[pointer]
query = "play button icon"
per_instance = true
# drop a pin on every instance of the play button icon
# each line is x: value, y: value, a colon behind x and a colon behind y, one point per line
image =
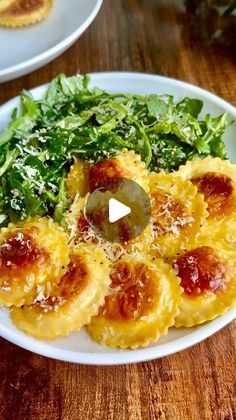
x: 118, y: 210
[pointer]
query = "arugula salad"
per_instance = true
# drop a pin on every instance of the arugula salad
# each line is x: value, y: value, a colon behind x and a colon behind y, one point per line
x: 44, y: 136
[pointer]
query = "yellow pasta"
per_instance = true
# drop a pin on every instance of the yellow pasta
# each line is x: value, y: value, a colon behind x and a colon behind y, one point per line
x: 178, y: 213
x: 208, y: 277
x: 141, y: 244
x: 31, y: 253
x: 77, y: 179
x: 4, y: 4
x: 73, y: 302
x: 144, y: 300
x: 122, y: 289
x: 77, y: 224
x: 25, y: 12
x: 216, y: 179
x: 81, y: 231
x: 127, y: 164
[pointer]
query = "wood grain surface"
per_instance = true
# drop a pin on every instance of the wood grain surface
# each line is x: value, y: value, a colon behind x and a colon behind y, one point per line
x: 200, y: 383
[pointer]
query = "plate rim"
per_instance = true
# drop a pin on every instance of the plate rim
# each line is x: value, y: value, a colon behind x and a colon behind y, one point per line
x: 125, y: 356
x: 229, y: 107
x: 45, y: 57
x: 128, y: 356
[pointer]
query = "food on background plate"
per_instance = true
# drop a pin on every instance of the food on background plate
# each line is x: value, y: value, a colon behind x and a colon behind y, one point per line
x: 54, y: 153
x: 20, y: 13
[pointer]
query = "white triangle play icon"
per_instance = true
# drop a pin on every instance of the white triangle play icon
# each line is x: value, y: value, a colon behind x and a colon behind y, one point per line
x: 117, y: 210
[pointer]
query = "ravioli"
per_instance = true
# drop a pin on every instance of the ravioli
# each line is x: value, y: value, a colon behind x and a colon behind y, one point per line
x: 73, y: 302
x: 144, y: 300
x: 83, y: 177
x: 208, y: 277
x: 216, y: 179
x: 81, y: 231
x: 31, y: 253
x: 4, y: 4
x: 127, y: 164
x: 178, y: 212
x: 77, y: 179
x: 24, y: 12
x: 77, y: 224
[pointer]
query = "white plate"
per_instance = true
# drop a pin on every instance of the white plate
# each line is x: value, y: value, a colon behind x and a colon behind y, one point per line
x: 23, y: 50
x: 79, y: 347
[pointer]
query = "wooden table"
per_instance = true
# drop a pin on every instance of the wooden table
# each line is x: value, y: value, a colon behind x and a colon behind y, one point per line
x: 199, y: 383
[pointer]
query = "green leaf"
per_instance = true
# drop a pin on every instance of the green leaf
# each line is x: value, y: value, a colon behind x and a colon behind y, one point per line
x: 29, y: 106
x: 41, y: 141
x: 10, y: 157
x: 159, y: 106
x: 214, y: 127
x: 190, y: 106
x: 74, y: 121
x: 62, y: 88
x: 61, y: 205
x: 167, y: 153
x: 34, y: 204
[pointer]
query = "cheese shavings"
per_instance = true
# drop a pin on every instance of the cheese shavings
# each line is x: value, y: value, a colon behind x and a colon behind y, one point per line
x: 72, y: 302
x: 178, y: 213
x: 143, y: 306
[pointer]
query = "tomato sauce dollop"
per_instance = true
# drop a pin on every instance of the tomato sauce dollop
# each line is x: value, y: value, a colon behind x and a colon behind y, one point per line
x: 201, y: 270
x: 19, y: 249
x: 134, y: 295
x: 218, y: 193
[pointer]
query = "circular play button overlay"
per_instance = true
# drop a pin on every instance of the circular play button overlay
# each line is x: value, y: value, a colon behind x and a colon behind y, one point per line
x: 118, y: 210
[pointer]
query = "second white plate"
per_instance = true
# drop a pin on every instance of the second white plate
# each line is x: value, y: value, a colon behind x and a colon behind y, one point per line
x: 23, y: 50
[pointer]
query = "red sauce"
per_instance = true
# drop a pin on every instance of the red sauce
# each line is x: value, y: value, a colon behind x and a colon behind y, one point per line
x: 135, y: 296
x: 99, y: 173
x: 168, y: 214
x: 20, y: 249
x: 218, y: 193
x: 201, y: 270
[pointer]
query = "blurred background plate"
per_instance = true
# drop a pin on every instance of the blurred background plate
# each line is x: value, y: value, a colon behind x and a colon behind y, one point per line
x: 23, y: 50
